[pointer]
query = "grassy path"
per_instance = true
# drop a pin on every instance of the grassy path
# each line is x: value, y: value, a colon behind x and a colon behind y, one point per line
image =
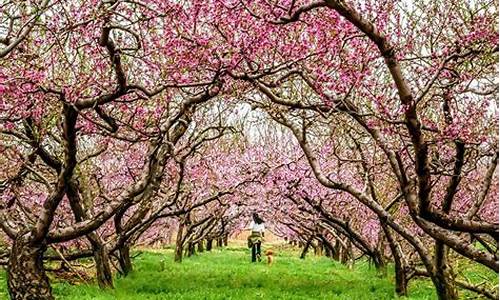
x: 227, y: 274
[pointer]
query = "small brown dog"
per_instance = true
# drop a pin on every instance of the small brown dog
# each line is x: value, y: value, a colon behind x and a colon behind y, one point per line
x: 269, y: 254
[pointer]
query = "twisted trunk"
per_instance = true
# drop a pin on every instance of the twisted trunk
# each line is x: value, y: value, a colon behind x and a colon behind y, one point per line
x: 26, y: 278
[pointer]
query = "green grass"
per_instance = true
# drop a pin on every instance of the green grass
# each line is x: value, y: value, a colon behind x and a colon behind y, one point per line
x: 228, y: 274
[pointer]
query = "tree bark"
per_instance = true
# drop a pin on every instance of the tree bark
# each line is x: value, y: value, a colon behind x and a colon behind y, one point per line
x: 343, y: 256
x: 200, y: 246
x: 346, y: 256
x: 328, y: 247
x: 443, y: 278
x: 178, y: 243
x: 124, y: 259
x: 209, y: 244
x: 306, y: 248
x: 336, y: 251
x: 100, y: 252
x: 190, y: 249
x: 379, y: 263
x: 401, y: 284
x: 26, y: 278
x: 102, y: 262
x: 319, y: 249
x: 350, y: 255
x: 328, y: 252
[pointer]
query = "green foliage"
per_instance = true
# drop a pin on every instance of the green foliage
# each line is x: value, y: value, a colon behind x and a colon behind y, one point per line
x: 229, y: 274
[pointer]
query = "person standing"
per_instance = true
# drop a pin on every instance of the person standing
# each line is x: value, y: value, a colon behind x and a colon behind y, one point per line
x: 257, y: 234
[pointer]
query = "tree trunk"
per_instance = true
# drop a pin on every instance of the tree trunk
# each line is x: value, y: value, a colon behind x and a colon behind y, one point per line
x: 190, y: 249
x: 178, y: 253
x: 346, y: 255
x: 306, y: 248
x: 103, y: 266
x: 200, y: 246
x: 328, y: 252
x: 381, y: 240
x: 327, y: 247
x: 443, y: 278
x: 178, y: 243
x: 343, y: 255
x: 336, y: 251
x: 219, y: 242
x: 379, y: 263
x: 124, y: 259
x: 225, y: 240
x: 445, y: 288
x: 350, y: 255
x: 319, y: 249
x: 209, y: 244
x: 26, y: 278
x: 100, y: 252
x: 401, y: 285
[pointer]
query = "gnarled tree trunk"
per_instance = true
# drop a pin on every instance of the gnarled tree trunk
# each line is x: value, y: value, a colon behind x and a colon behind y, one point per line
x: 26, y: 278
x: 102, y: 262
